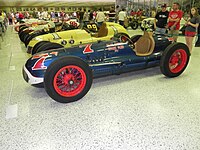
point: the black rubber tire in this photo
(23, 34)
(164, 62)
(134, 25)
(55, 67)
(21, 28)
(48, 46)
(33, 35)
(26, 37)
(23, 37)
(36, 46)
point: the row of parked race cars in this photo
(48, 35)
(65, 58)
(29, 31)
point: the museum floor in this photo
(141, 110)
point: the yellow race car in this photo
(75, 37)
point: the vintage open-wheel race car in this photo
(28, 23)
(27, 34)
(67, 73)
(147, 23)
(133, 21)
(74, 37)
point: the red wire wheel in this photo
(178, 61)
(174, 59)
(69, 81)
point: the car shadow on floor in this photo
(134, 76)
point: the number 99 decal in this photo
(92, 26)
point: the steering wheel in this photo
(124, 39)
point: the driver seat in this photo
(145, 44)
(103, 30)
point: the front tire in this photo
(68, 79)
(23, 35)
(174, 60)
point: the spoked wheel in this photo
(68, 79)
(23, 34)
(177, 61)
(174, 59)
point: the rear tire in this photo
(21, 34)
(26, 37)
(33, 35)
(37, 46)
(48, 46)
(68, 79)
(174, 60)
